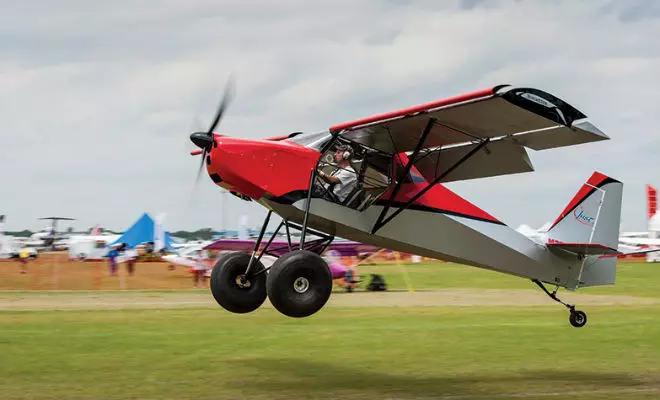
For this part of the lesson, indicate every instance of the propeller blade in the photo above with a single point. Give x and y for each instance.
(204, 140)
(224, 103)
(201, 166)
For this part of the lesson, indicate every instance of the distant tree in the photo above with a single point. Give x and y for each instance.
(200, 234)
(23, 233)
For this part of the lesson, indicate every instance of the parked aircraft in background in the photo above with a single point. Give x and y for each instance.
(649, 240)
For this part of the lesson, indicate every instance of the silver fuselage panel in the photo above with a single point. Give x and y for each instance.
(442, 236)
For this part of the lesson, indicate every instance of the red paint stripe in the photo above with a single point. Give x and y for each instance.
(560, 244)
(415, 109)
(443, 198)
(277, 138)
(439, 197)
(596, 179)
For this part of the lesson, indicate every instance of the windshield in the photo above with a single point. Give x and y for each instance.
(314, 140)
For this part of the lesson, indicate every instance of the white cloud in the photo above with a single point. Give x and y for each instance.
(98, 98)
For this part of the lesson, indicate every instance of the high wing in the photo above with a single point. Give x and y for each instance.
(487, 131)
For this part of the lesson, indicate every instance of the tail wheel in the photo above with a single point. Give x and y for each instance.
(299, 283)
(232, 289)
(578, 319)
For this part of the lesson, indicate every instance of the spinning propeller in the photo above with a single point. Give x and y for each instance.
(204, 140)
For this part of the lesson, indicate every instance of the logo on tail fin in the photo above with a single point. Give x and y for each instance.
(582, 217)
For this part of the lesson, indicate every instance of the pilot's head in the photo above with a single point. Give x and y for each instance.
(343, 154)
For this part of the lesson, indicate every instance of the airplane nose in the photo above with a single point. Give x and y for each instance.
(201, 139)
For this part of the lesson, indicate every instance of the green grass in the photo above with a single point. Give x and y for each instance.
(635, 279)
(343, 353)
(408, 353)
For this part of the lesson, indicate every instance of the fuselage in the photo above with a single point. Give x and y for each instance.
(439, 224)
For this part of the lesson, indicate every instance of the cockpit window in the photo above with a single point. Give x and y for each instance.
(416, 178)
(352, 175)
(412, 176)
(313, 140)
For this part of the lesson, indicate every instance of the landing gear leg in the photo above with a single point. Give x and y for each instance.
(577, 318)
(298, 283)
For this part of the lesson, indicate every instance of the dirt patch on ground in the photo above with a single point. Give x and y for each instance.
(182, 299)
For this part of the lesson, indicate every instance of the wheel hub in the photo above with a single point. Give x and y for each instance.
(301, 285)
(243, 282)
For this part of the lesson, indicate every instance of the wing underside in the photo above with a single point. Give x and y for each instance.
(510, 120)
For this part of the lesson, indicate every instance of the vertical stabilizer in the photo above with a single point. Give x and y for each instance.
(593, 215)
(96, 230)
(652, 204)
(651, 200)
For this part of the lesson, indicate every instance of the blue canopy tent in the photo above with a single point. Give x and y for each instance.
(142, 231)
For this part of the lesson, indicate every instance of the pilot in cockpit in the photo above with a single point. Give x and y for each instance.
(343, 178)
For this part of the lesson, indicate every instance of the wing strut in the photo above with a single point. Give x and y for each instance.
(379, 224)
(406, 171)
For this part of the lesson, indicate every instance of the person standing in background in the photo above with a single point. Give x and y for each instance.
(112, 261)
(23, 257)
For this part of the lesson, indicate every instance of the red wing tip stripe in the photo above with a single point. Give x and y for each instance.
(415, 109)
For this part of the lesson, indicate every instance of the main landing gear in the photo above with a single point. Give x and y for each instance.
(298, 283)
(577, 318)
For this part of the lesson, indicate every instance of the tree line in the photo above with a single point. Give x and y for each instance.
(200, 234)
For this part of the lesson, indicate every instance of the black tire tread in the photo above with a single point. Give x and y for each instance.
(279, 284)
(227, 294)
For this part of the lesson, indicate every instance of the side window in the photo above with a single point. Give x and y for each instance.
(341, 167)
(416, 178)
(375, 179)
(412, 176)
(400, 169)
(365, 176)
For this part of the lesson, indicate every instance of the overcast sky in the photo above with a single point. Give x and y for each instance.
(98, 98)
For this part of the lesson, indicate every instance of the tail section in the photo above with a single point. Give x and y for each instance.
(96, 230)
(591, 220)
(651, 201)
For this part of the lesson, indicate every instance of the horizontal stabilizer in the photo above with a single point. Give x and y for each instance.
(584, 249)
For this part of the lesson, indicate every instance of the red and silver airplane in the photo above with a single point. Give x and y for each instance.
(378, 181)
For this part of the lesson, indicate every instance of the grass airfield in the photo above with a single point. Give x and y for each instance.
(463, 333)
